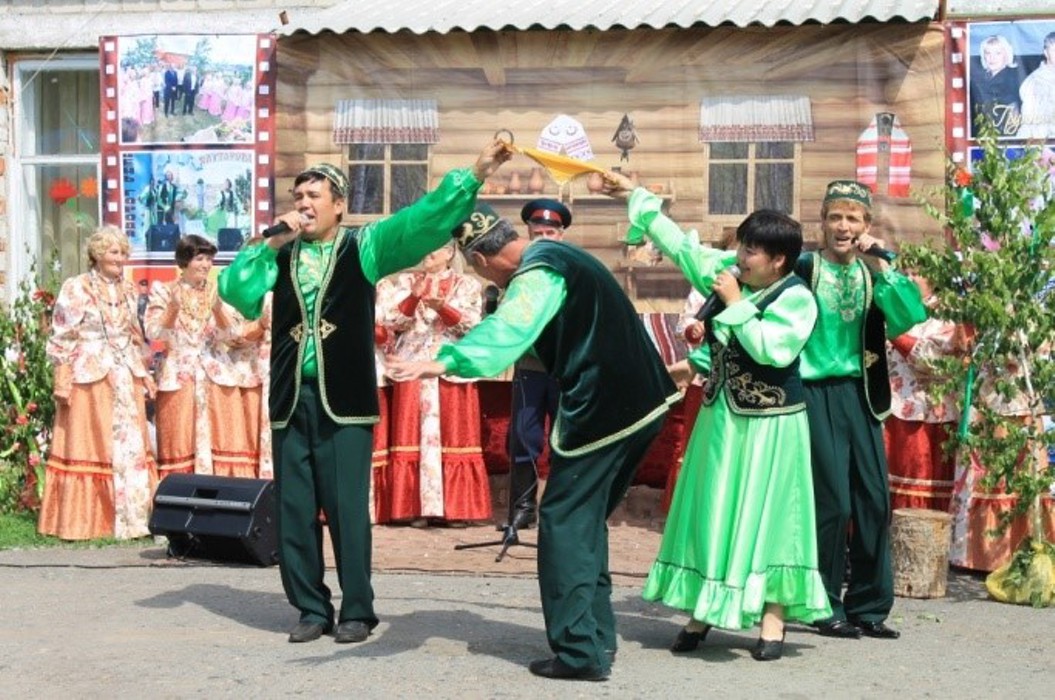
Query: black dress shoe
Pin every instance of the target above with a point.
(879, 630)
(351, 631)
(557, 669)
(837, 628)
(768, 649)
(688, 641)
(308, 632)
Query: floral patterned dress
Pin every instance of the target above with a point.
(201, 423)
(976, 510)
(101, 471)
(921, 474)
(250, 355)
(436, 466)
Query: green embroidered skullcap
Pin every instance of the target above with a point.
(849, 190)
(472, 229)
(331, 173)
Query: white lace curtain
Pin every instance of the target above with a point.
(756, 118)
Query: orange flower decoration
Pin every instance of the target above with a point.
(962, 178)
(89, 188)
(61, 191)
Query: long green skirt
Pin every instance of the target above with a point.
(740, 532)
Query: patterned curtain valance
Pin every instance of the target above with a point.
(386, 121)
(756, 118)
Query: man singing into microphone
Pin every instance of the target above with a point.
(844, 370)
(323, 402)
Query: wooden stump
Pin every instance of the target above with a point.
(919, 545)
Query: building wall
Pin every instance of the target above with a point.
(485, 81)
(5, 148)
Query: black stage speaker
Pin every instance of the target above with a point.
(162, 238)
(229, 239)
(217, 517)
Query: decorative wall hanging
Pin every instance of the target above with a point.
(625, 137)
(567, 135)
(884, 146)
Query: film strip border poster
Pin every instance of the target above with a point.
(1005, 69)
(188, 141)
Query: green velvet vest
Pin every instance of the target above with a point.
(752, 388)
(875, 376)
(612, 379)
(344, 337)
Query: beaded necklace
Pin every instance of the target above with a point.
(113, 310)
(195, 305)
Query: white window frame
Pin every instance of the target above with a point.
(24, 232)
(751, 161)
(386, 163)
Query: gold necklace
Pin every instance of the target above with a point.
(113, 312)
(195, 305)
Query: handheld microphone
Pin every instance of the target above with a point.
(882, 253)
(491, 293)
(276, 230)
(714, 303)
(280, 228)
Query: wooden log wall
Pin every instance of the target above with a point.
(485, 81)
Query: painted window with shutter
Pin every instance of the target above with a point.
(752, 153)
(388, 149)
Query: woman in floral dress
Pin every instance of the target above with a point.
(249, 355)
(205, 419)
(920, 470)
(100, 471)
(436, 468)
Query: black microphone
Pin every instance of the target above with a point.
(281, 227)
(276, 230)
(490, 299)
(714, 303)
(877, 251)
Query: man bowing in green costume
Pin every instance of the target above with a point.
(562, 304)
(323, 403)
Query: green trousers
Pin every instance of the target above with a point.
(574, 581)
(851, 491)
(320, 465)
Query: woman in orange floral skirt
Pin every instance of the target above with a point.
(100, 471)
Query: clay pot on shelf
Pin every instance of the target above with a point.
(499, 189)
(514, 183)
(487, 188)
(536, 182)
(595, 182)
(656, 188)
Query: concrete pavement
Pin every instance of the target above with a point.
(127, 621)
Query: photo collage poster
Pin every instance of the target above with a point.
(188, 143)
(1004, 70)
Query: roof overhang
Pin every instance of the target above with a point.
(38, 27)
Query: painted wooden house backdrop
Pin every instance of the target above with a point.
(815, 89)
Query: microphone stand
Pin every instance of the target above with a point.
(510, 536)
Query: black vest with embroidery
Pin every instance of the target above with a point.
(344, 337)
(752, 388)
(875, 376)
(610, 374)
